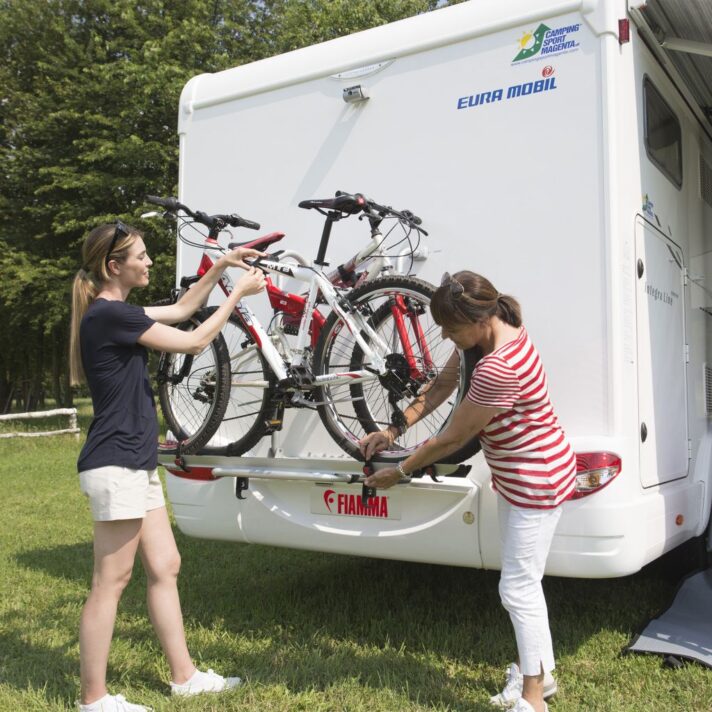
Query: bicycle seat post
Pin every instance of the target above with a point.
(331, 218)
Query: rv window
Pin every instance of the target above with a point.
(663, 137)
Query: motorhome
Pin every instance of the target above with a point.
(559, 147)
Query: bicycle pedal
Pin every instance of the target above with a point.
(272, 426)
(301, 376)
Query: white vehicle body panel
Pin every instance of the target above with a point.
(532, 172)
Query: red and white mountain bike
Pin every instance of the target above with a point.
(357, 346)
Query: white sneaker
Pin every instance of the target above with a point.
(112, 703)
(515, 683)
(205, 682)
(521, 705)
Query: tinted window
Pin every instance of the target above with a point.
(663, 137)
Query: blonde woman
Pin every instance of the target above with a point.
(117, 465)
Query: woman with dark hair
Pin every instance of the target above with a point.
(533, 466)
(117, 465)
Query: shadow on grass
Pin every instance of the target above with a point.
(309, 620)
(52, 668)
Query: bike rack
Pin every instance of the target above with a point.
(205, 466)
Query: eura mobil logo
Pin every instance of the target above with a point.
(544, 41)
(547, 83)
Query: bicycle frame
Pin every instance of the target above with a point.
(310, 316)
(353, 320)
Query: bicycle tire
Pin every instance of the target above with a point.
(351, 411)
(194, 390)
(248, 409)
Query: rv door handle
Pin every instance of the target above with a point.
(641, 268)
(643, 432)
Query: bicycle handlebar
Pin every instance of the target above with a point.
(357, 203)
(213, 222)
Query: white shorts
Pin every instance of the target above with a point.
(121, 493)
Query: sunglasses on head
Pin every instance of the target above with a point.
(456, 289)
(120, 230)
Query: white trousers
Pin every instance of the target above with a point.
(525, 536)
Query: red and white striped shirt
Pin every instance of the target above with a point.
(531, 460)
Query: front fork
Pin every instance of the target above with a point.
(399, 308)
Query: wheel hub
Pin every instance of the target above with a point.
(398, 380)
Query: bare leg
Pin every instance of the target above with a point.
(115, 545)
(533, 691)
(161, 560)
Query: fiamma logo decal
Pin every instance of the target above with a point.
(348, 503)
(544, 41)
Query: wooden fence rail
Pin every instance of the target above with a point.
(71, 412)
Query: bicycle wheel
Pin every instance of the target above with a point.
(194, 389)
(250, 394)
(397, 310)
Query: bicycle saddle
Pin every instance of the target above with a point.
(343, 202)
(260, 243)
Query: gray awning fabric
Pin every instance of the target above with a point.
(684, 630)
(687, 20)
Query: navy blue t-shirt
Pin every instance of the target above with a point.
(124, 431)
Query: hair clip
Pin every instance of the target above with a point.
(456, 289)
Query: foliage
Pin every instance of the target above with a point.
(88, 127)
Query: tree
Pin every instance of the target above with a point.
(88, 127)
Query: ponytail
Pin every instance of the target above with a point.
(84, 291)
(508, 310)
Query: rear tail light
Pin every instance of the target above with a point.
(595, 470)
(205, 474)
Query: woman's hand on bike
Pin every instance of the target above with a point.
(236, 257)
(252, 282)
(383, 479)
(373, 443)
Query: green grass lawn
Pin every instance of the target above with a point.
(307, 631)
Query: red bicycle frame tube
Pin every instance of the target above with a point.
(291, 304)
(399, 308)
(205, 264)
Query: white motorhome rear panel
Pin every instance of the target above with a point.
(516, 131)
(500, 158)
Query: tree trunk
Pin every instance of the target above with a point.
(56, 386)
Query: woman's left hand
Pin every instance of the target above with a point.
(236, 257)
(383, 479)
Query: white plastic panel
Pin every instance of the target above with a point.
(662, 379)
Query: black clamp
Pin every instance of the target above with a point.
(180, 458)
(366, 491)
(241, 485)
(398, 419)
(430, 470)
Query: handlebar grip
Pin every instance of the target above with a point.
(249, 224)
(412, 217)
(167, 203)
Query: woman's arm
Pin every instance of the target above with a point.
(198, 294)
(469, 419)
(433, 395)
(161, 337)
